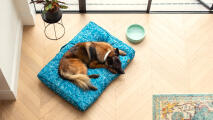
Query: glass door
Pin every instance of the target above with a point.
(116, 5)
(179, 5)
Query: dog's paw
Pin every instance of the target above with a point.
(94, 76)
(114, 72)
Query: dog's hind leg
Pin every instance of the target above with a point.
(76, 71)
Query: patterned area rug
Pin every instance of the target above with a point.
(183, 107)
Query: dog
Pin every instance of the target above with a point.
(74, 63)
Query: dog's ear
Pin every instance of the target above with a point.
(117, 51)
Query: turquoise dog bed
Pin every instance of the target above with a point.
(69, 91)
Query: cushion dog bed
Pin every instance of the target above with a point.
(69, 91)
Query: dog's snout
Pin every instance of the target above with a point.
(121, 72)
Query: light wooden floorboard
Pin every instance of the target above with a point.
(175, 57)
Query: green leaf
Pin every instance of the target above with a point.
(63, 6)
(50, 6)
(46, 8)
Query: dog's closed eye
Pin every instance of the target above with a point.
(109, 61)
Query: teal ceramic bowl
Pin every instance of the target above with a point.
(135, 33)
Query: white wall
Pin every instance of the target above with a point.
(26, 11)
(13, 15)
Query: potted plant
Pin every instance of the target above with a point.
(51, 12)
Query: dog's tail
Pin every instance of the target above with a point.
(81, 80)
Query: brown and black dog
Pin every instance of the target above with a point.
(74, 63)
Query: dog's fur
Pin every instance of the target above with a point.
(73, 65)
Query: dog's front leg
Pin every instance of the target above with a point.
(112, 70)
(96, 64)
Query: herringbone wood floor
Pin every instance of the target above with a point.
(175, 57)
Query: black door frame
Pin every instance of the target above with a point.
(82, 9)
(205, 5)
